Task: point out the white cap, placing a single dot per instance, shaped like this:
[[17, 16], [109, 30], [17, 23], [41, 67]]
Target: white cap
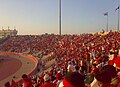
[[59, 71]]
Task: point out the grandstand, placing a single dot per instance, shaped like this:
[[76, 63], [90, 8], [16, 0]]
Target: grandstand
[[54, 52]]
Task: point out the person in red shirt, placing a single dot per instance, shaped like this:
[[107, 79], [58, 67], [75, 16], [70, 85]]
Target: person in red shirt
[[94, 69], [47, 82], [59, 78], [7, 84], [26, 81]]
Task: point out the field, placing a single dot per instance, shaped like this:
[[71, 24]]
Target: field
[[13, 68]]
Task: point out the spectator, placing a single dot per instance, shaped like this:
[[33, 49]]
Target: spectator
[[26, 81], [77, 69], [104, 79], [47, 82], [94, 69], [58, 78], [70, 67], [113, 73], [7, 84], [73, 79], [90, 77]]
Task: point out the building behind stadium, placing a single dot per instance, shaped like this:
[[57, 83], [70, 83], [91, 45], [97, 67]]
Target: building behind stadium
[[8, 32]]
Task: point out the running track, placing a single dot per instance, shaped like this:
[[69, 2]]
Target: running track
[[14, 66]]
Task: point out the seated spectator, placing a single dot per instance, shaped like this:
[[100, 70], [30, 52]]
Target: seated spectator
[[90, 77], [26, 81], [94, 69], [104, 79], [73, 79], [77, 69], [112, 70], [47, 82], [70, 67]]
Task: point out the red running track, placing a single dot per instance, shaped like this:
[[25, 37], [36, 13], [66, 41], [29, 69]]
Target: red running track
[[8, 66]]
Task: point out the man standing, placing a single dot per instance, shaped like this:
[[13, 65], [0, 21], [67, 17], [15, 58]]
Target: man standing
[[26, 81]]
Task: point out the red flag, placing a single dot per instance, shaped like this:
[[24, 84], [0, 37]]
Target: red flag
[[118, 39], [14, 84], [117, 62]]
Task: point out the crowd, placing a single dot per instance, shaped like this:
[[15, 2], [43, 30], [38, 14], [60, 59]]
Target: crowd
[[80, 60]]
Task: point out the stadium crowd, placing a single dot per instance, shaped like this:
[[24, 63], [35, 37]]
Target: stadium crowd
[[85, 60]]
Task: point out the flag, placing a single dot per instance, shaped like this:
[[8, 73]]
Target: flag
[[13, 83], [106, 14], [117, 8]]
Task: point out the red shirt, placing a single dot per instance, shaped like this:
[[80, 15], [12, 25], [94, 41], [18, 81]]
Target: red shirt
[[48, 84], [28, 84], [118, 85]]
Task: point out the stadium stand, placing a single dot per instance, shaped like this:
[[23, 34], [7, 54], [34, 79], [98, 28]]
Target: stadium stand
[[84, 55]]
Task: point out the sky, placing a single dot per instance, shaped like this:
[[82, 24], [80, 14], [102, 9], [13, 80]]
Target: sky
[[32, 17]]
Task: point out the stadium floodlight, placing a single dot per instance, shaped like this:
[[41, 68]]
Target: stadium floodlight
[[60, 17]]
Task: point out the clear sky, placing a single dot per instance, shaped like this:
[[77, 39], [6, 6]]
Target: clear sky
[[41, 16]]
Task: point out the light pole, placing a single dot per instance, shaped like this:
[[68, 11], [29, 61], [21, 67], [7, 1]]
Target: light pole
[[60, 17]]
